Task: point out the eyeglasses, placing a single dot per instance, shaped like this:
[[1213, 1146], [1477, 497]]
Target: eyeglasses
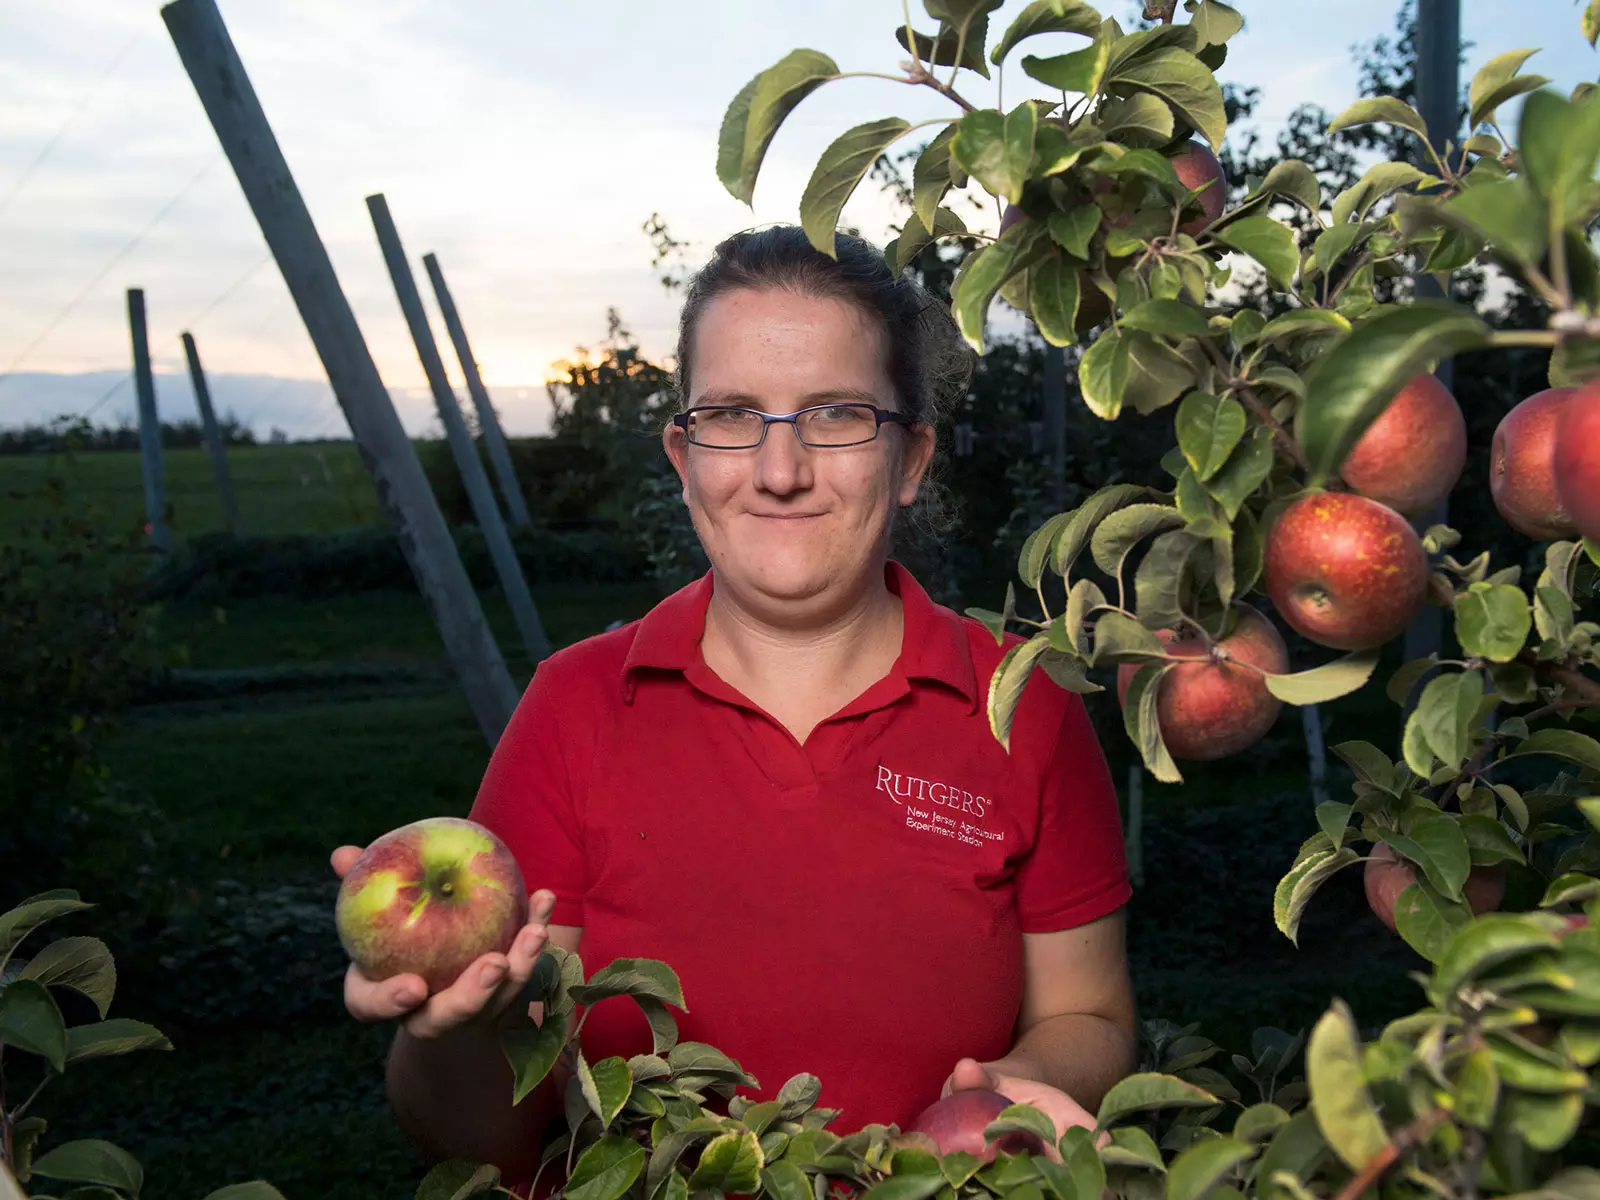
[[825, 425]]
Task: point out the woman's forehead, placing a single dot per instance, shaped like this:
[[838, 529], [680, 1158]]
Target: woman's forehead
[[751, 343]]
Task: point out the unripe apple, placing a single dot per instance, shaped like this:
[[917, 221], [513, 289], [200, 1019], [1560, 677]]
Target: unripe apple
[[1522, 466], [429, 899], [1345, 571], [1213, 708], [1577, 460], [1412, 455], [1386, 875], [957, 1122], [1197, 166]]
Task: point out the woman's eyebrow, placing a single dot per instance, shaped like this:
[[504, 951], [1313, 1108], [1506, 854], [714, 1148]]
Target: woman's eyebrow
[[745, 400]]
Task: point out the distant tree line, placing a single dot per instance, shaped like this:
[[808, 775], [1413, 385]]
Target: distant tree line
[[77, 435]]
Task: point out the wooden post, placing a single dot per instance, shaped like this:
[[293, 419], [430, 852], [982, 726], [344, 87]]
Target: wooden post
[[468, 463], [1134, 838], [1316, 753], [155, 500], [213, 65], [213, 436], [494, 439]]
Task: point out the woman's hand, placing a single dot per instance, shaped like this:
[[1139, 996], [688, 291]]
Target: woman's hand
[[1007, 1078], [480, 997]]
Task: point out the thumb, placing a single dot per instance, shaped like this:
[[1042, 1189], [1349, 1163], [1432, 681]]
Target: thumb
[[971, 1074]]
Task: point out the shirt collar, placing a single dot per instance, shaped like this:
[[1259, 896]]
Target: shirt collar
[[934, 644]]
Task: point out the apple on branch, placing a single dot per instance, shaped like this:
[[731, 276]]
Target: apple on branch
[[1522, 466], [1345, 571], [429, 899], [1216, 707], [1412, 455], [1577, 461], [1386, 875]]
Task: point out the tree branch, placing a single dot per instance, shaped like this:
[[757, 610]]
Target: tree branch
[[920, 74], [1573, 681], [1258, 407], [1380, 1162]]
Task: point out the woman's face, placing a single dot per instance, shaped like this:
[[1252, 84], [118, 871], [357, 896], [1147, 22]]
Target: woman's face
[[787, 522]]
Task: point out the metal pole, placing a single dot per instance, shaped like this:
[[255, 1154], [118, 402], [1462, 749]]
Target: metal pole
[[1438, 43], [494, 439], [1134, 838], [208, 424], [155, 502], [1055, 423], [484, 508], [219, 78]]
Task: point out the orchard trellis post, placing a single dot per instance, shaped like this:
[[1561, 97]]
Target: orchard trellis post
[[155, 502], [494, 438], [230, 102], [213, 435], [484, 507]]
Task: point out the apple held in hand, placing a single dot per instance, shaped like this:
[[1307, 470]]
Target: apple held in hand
[[957, 1122], [1345, 571], [428, 899], [1217, 707], [1577, 461], [1522, 466], [1412, 455], [1386, 875]]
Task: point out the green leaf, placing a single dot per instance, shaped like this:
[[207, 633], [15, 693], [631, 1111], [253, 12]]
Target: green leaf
[[1126, 528], [1487, 840], [260, 1189], [1139, 119], [757, 111], [1370, 764], [1547, 1122], [1072, 230], [1291, 178], [1157, 374], [1327, 682], [1158, 584], [1271, 243], [1215, 23], [1080, 71], [980, 277], [1246, 470], [1183, 81], [92, 1161], [1203, 1165], [904, 1187], [1477, 1089], [1506, 213], [1492, 622], [1053, 300], [1038, 549], [933, 175], [1047, 16], [1142, 720], [783, 1180], [83, 964], [119, 1035], [1007, 682], [1483, 93], [1489, 942], [454, 1179], [1302, 322], [1445, 714], [996, 150], [1445, 857], [941, 51], [1344, 1112], [1119, 638], [729, 1163], [838, 172], [606, 1086], [1103, 374], [32, 913], [1566, 744], [1428, 920], [1380, 180], [1148, 1092], [1082, 598], [1591, 21], [1168, 318], [631, 977], [607, 1169], [1359, 376], [1202, 514], [1380, 110], [31, 1022], [532, 1052], [1086, 519], [1294, 890], [1558, 142]]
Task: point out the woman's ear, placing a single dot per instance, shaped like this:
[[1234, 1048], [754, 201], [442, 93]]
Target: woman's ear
[[676, 445], [914, 462]]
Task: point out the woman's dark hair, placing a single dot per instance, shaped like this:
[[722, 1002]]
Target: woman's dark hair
[[929, 364]]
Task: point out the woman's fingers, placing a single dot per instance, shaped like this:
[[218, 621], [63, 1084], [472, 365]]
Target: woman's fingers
[[382, 1000]]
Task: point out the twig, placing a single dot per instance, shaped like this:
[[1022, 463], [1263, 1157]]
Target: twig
[[1261, 412], [920, 74], [1380, 1162], [1574, 681]]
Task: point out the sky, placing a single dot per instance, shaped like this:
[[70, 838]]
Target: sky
[[525, 142]]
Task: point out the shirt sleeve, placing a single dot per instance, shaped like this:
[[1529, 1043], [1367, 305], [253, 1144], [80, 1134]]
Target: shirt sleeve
[[530, 800], [1077, 871]]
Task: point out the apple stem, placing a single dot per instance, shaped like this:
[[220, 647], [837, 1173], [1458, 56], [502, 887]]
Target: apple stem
[[1417, 1131]]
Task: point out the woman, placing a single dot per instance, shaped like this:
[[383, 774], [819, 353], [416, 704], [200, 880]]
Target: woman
[[781, 781]]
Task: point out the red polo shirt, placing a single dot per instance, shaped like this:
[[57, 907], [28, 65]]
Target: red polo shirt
[[852, 907]]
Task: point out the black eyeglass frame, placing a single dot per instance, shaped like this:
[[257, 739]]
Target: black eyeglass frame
[[768, 420]]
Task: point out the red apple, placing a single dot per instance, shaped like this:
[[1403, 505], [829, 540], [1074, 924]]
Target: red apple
[[1214, 708], [1575, 921], [1197, 166], [1577, 460], [428, 899], [1522, 466], [1345, 571], [1386, 875], [957, 1122], [1412, 455]]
